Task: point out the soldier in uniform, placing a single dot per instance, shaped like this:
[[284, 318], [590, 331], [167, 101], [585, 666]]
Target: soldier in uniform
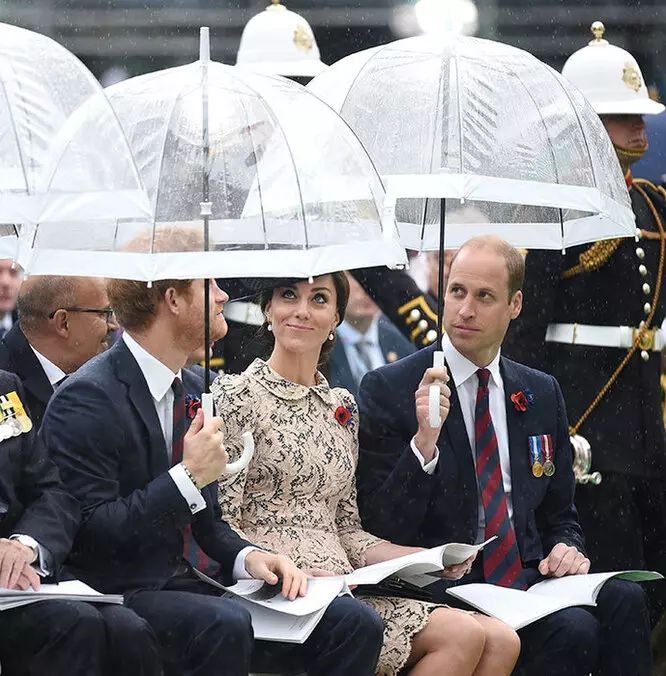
[[278, 41], [592, 318]]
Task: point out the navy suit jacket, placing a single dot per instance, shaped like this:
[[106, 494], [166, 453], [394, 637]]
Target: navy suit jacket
[[103, 432], [390, 341], [402, 503], [32, 499], [17, 356]]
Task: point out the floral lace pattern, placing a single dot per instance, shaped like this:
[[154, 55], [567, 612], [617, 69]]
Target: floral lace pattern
[[298, 495]]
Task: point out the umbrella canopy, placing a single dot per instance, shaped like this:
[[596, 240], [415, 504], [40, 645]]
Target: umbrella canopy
[[291, 191], [460, 119], [54, 166]]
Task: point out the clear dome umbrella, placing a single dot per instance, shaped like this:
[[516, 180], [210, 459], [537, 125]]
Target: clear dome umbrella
[[452, 120], [272, 178], [47, 173]]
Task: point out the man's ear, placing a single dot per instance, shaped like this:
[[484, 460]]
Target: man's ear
[[61, 323], [516, 304], [171, 300]]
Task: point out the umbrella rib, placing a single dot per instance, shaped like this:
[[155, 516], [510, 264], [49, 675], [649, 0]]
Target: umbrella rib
[[14, 129]]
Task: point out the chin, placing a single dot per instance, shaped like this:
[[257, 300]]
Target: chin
[[218, 329]]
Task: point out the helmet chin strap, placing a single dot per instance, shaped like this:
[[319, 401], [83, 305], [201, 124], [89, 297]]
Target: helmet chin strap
[[627, 156]]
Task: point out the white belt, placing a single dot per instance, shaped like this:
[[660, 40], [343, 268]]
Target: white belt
[[244, 313], [604, 336]]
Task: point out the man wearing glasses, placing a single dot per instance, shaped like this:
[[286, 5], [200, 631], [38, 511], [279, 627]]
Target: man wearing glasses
[[63, 322]]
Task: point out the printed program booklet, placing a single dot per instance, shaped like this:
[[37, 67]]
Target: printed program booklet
[[71, 590]]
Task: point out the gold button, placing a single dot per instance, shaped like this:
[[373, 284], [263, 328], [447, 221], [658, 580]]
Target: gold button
[[431, 336], [646, 289], [644, 355], [641, 325], [423, 324], [415, 315], [640, 253], [643, 270], [647, 308]]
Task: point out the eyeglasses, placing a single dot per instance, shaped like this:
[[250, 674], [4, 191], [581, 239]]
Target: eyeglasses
[[107, 312]]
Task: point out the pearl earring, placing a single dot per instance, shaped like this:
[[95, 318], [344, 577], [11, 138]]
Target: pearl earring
[[269, 327], [331, 335]]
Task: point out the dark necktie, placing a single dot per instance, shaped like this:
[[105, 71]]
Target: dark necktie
[[192, 553], [501, 559], [363, 350]]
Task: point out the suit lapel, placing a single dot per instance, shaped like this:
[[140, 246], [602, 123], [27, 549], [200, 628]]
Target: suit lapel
[[31, 371], [128, 371], [518, 451]]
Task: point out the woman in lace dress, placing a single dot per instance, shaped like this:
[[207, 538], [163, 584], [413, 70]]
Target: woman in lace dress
[[298, 495]]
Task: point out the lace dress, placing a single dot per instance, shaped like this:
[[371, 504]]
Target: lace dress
[[298, 495]]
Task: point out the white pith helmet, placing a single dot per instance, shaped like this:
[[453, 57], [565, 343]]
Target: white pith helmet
[[279, 42], [609, 78]]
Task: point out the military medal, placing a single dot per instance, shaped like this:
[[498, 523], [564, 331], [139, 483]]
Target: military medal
[[19, 412], [548, 465], [535, 457], [12, 425]]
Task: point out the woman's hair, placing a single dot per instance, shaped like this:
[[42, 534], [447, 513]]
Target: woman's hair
[[341, 285]]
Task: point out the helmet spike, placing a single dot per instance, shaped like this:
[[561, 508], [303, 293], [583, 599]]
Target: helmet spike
[[598, 30]]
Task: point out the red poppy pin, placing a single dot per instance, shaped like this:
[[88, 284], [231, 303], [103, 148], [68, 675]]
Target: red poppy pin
[[522, 400], [192, 405], [343, 414]]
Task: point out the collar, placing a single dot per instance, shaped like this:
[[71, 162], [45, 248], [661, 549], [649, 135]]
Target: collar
[[629, 179], [462, 369], [282, 388], [159, 377], [350, 336], [53, 373]]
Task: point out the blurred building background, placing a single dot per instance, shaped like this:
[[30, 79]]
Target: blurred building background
[[117, 37]]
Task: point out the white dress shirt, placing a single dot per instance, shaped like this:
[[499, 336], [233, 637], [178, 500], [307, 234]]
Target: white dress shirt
[[54, 373], [159, 379], [463, 375]]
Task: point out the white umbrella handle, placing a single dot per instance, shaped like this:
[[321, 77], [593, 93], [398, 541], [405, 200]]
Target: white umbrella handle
[[434, 416], [248, 441]]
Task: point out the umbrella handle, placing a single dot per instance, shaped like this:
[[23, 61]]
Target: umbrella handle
[[434, 416], [248, 441]]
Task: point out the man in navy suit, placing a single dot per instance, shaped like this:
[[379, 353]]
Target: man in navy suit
[[63, 322], [500, 465], [148, 489], [366, 340], [38, 521]]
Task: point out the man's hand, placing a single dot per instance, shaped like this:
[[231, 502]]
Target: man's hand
[[27, 579], [203, 450], [273, 567], [564, 560], [426, 436], [15, 560]]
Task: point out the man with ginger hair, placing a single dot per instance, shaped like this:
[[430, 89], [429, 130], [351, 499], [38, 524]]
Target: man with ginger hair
[[147, 485], [63, 322]]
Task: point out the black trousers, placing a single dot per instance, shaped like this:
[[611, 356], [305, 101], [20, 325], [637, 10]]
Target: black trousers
[[201, 634], [624, 521], [346, 642], [69, 638], [612, 639]]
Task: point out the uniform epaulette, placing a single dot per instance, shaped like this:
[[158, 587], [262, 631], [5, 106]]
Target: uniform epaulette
[[421, 320], [655, 190]]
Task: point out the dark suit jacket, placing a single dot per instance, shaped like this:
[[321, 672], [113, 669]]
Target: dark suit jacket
[[32, 499], [390, 340], [401, 502], [103, 432], [625, 430], [17, 356]]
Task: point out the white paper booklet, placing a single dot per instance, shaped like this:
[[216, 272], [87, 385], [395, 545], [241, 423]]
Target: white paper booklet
[[275, 618], [71, 590], [519, 608]]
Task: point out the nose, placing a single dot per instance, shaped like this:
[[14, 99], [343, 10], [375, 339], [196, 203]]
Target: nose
[[639, 122], [112, 324], [219, 295], [467, 309], [303, 307]]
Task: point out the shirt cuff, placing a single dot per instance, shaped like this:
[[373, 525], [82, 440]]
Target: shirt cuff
[[428, 467], [43, 564], [187, 489], [239, 571]]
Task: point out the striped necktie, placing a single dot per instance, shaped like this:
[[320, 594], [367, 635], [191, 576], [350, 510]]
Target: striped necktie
[[501, 559], [192, 553]]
